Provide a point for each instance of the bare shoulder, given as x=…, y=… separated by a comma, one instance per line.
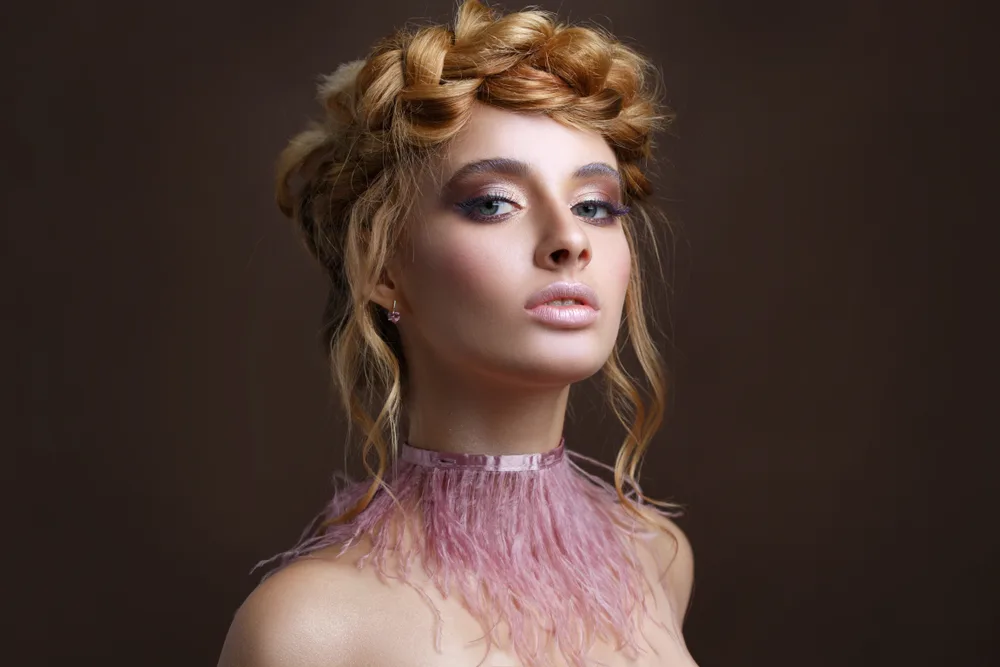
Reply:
x=313, y=612
x=674, y=553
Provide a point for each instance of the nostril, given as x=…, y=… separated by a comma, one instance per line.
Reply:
x=563, y=255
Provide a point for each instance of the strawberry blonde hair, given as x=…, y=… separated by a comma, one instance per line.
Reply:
x=347, y=181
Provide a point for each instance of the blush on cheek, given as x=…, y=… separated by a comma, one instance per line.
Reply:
x=623, y=266
x=465, y=274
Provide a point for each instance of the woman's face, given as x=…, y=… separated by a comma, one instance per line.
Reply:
x=515, y=204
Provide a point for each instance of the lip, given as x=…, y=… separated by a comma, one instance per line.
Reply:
x=568, y=317
x=564, y=290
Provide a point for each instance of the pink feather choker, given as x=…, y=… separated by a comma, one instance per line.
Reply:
x=539, y=551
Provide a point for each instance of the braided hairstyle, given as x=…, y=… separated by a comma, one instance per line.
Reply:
x=347, y=181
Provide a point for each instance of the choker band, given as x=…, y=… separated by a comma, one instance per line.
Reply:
x=487, y=462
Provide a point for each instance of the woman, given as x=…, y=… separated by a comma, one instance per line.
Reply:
x=476, y=196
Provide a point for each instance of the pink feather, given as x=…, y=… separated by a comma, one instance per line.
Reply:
x=552, y=551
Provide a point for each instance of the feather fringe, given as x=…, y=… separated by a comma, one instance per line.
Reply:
x=551, y=553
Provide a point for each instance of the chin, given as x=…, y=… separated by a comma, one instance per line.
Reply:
x=560, y=366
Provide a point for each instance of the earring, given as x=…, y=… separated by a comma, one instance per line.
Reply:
x=394, y=315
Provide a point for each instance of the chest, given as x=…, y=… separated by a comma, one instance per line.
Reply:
x=408, y=630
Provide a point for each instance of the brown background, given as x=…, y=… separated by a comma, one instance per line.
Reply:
x=169, y=413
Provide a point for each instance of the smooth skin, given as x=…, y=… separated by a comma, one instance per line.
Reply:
x=515, y=204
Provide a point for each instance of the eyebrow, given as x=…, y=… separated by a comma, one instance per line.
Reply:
x=519, y=169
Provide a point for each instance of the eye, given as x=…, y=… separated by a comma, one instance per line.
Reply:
x=596, y=209
x=489, y=207
x=492, y=207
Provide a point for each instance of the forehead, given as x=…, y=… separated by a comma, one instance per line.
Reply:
x=551, y=148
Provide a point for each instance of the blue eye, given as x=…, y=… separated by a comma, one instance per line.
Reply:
x=591, y=209
x=487, y=208
x=492, y=208
x=596, y=209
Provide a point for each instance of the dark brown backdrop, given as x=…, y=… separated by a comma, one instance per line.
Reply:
x=169, y=414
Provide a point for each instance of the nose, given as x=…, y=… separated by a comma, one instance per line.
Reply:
x=563, y=243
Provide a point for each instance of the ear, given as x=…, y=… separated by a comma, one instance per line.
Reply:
x=386, y=290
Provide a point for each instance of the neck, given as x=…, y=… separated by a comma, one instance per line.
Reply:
x=458, y=413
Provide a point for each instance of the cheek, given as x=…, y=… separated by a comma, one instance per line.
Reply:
x=621, y=268
x=624, y=268
x=462, y=272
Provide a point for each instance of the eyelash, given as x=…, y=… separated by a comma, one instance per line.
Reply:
x=467, y=207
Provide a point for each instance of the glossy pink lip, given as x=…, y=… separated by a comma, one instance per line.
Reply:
x=564, y=290
x=566, y=317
